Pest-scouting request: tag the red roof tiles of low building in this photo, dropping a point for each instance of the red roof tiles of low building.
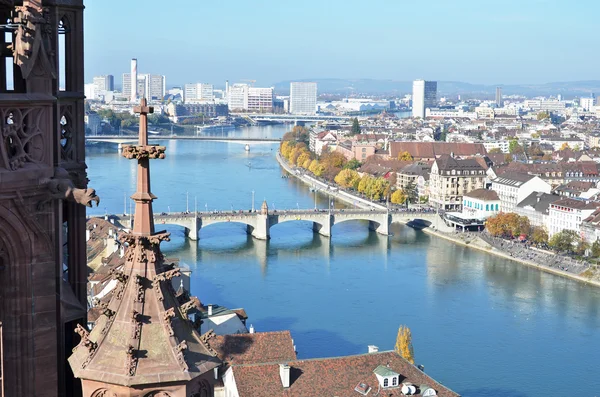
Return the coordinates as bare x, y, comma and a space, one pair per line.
337, 376
483, 194
259, 347
431, 150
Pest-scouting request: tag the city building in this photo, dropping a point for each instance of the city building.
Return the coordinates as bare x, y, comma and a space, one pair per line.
577, 189
237, 97
410, 173
303, 98
424, 96
536, 207
590, 227
154, 86
356, 150
568, 214
514, 187
43, 272
451, 179
499, 102
178, 111
90, 91
432, 150
481, 204
550, 105
260, 100
198, 92
104, 83
588, 104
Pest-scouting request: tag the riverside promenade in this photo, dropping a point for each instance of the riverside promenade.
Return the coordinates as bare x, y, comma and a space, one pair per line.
544, 261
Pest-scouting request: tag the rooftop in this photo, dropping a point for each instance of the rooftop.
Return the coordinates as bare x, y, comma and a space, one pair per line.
483, 194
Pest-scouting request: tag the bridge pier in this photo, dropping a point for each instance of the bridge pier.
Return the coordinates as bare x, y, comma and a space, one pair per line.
324, 229
382, 227
260, 230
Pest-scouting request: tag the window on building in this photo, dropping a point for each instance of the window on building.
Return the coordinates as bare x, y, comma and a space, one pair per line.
394, 381
385, 382
487, 207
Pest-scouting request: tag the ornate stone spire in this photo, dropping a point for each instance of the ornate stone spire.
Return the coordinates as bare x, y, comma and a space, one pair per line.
143, 197
144, 342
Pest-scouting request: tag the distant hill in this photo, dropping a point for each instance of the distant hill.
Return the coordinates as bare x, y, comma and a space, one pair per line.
568, 89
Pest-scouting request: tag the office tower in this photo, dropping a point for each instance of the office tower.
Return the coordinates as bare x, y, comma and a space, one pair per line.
154, 86
589, 103
134, 77
260, 99
424, 96
198, 92
104, 83
499, 97
303, 98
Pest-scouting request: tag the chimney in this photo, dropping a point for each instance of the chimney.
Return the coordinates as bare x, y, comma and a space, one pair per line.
105, 217
216, 372
95, 225
110, 232
87, 235
210, 310
373, 349
284, 374
251, 330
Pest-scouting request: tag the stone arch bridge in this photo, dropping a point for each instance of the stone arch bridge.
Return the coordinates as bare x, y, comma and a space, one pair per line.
259, 224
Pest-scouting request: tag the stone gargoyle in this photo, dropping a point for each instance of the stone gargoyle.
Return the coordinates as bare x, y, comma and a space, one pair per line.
61, 187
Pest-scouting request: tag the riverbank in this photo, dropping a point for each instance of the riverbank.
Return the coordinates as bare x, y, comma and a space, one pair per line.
475, 243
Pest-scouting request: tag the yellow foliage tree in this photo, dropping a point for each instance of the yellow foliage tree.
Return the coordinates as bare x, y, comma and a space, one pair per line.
364, 183
302, 158
306, 164
565, 146
286, 148
398, 197
346, 178
405, 156
404, 345
313, 165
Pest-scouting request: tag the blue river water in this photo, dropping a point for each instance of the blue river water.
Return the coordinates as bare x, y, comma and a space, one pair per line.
482, 325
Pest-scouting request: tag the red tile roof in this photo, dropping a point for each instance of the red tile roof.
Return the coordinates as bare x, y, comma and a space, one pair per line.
337, 376
259, 347
431, 150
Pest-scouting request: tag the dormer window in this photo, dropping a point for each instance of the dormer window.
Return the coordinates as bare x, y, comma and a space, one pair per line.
385, 382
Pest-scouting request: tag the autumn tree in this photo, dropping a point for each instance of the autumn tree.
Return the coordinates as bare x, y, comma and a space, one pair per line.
543, 115
508, 225
495, 150
563, 241
353, 164
302, 158
412, 195
285, 148
405, 156
376, 189
539, 235
364, 183
404, 345
595, 249
564, 146
398, 197
347, 178
534, 150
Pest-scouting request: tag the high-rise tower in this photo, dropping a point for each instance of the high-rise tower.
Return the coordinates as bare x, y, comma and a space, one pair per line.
134, 78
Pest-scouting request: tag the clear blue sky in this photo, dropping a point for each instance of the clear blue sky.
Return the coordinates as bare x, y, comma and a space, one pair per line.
491, 42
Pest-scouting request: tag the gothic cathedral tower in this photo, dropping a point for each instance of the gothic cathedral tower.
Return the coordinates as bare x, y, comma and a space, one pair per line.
43, 184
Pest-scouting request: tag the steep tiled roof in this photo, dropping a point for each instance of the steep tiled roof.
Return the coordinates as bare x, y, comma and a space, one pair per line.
259, 347
432, 150
446, 162
336, 376
576, 204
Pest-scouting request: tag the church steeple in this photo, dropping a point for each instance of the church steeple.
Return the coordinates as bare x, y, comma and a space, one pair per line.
144, 343
143, 197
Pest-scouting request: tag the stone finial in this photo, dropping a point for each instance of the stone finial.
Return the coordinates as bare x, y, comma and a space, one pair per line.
264, 208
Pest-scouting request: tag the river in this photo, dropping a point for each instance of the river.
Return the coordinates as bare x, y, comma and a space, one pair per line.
482, 325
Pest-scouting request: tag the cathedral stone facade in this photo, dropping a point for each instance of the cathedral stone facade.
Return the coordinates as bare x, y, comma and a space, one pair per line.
43, 193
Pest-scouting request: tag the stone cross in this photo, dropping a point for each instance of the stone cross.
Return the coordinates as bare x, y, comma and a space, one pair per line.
143, 110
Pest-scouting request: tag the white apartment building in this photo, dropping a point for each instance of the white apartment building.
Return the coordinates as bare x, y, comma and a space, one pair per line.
104, 83
237, 97
481, 203
546, 105
588, 104
303, 98
424, 96
514, 187
503, 145
536, 207
568, 214
154, 86
198, 92
450, 179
